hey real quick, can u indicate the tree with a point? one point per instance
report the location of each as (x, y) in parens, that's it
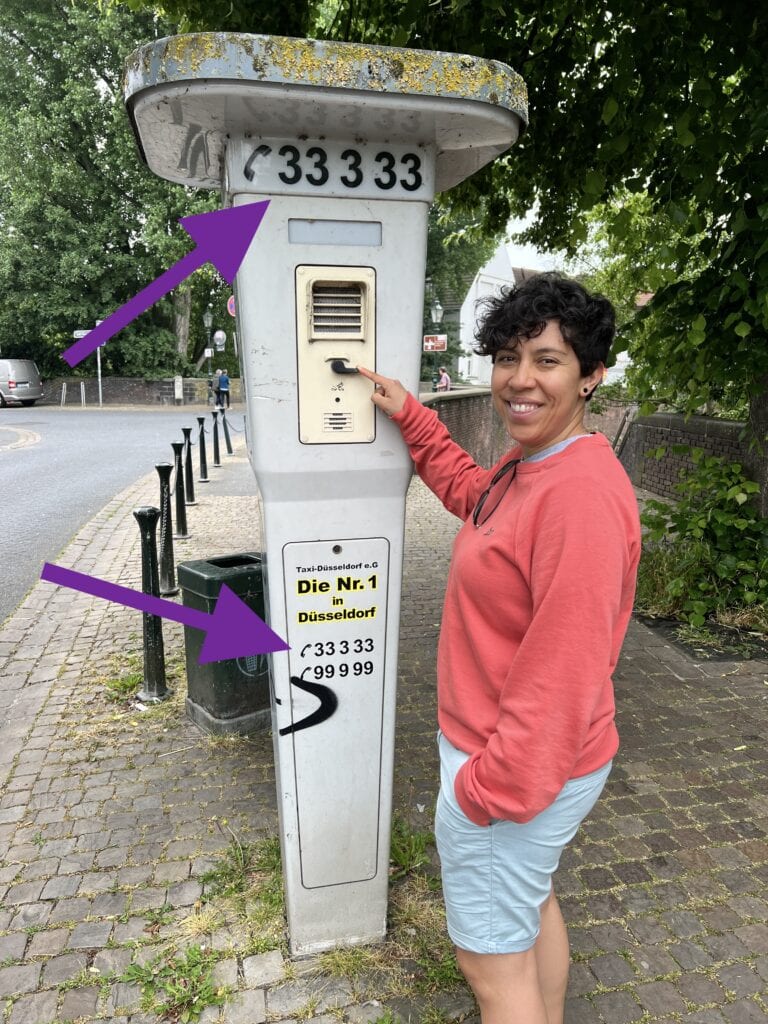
(83, 225)
(457, 248)
(670, 99)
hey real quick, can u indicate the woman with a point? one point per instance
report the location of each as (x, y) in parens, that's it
(539, 594)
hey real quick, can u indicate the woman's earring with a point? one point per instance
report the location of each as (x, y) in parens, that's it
(585, 391)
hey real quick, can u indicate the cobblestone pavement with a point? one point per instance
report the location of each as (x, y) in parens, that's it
(110, 816)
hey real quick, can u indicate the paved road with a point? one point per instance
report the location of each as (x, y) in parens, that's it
(58, 467)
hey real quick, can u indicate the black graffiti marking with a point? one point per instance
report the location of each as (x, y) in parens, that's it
(259, 151)
(194, 150)
(328, 704)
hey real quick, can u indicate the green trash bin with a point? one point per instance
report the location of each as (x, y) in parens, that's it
(225, 696)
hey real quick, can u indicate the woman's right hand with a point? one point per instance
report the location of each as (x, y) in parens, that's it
(388, 395)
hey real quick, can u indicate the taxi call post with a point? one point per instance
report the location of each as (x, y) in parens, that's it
(349, 144)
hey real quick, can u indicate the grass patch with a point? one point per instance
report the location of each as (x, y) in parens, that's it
(123, 688)
(419, 937)
(408, 849)
(158, 918)
(713, 640)
(231, 875)
(246, 888)
(180, 987)
(352, 962)
(117, 690)
(201, 922)
(244, 864)
(708, 640)
(125, 678)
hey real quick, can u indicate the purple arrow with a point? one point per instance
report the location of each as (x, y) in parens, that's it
(232, 630)
(223, 238)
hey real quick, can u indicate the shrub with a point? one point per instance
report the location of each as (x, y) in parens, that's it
(707, 553)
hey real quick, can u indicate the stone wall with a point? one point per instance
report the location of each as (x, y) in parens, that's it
(131, 391)
(715, 437)
(472, 422)
(469, 416)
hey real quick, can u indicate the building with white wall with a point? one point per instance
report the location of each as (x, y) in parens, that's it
(511, 263)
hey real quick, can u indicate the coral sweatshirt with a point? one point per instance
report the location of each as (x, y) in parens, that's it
(537, 603)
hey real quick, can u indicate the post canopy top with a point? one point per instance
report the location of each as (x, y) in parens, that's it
(220, 85)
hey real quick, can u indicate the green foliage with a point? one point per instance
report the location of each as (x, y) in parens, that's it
(287, 17)
(233, 872)
(84, 225)
(612, 391)
(245, 865)
(457, 248)
(708, 553)
(441, 971)
(408, 849)
(670, 101)
(121, 688)
(178, 988)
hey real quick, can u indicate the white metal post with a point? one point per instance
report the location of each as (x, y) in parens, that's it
(349, 143)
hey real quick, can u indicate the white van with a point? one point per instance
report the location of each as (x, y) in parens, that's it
(19, 382)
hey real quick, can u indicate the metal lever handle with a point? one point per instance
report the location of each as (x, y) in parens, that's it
(338, 366)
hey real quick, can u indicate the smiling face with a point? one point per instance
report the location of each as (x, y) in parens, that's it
(538, 389)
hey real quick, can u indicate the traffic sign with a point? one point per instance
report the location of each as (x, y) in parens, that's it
(435, 343)
(81, 334)
(231, 305)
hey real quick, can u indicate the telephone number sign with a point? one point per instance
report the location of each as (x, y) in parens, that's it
(336, 623)
(336, 168)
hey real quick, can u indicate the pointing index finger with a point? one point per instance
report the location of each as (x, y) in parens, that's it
(365, 372)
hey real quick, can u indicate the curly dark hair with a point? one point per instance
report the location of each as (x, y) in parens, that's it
(587, 322)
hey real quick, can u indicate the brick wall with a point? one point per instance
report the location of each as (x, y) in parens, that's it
(716, 437)
(608, 420)
(474, 425)
(472, 422)
(131, 391)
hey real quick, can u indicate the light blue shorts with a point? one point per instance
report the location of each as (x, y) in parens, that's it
(497, 877)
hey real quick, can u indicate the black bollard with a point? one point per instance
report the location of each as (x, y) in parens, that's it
(189, 483)
(153, 688)
(167, 568)
(181, 511)
(216, 455)
(227, 438)
(201, 445)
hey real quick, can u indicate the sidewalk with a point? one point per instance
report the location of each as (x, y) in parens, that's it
(110, 816)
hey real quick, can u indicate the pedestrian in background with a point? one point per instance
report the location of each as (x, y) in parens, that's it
(223, 388)
(444, 381)
(539, 594)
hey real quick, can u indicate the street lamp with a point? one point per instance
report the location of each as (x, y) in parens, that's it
(436, 313)
(208, 324)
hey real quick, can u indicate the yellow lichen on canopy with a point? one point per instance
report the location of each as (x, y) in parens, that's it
(330, 64)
